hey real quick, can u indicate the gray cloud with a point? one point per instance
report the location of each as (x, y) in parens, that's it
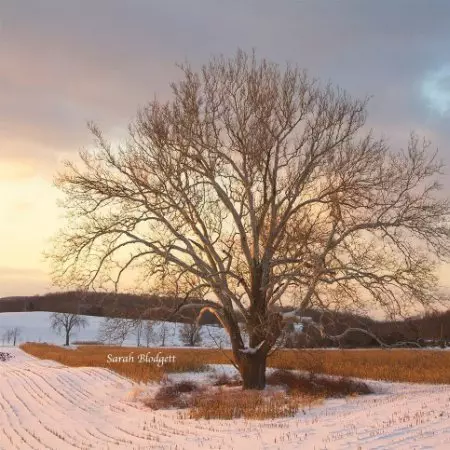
(63, 63)
(67, 62)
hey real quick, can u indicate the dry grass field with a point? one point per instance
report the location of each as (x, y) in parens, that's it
(97, 356)
(401, 365)
(418, 366)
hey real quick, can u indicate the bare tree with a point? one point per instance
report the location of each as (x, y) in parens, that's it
(10, 335)
(66, 324)
(190, 334)
(162, 331)
(115, 330)
(142, 328)
(256, 184)
(148, 332)
(138, 332)
(15, 334)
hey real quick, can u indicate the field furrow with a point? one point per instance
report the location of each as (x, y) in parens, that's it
(45, 405)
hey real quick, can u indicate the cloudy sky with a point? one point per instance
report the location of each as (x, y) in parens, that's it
(64, 62)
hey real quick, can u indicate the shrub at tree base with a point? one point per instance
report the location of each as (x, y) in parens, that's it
(312, 384)
(228, 403)
(171, 396)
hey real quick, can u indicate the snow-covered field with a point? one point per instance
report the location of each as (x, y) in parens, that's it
(35, 327)
(44, 405)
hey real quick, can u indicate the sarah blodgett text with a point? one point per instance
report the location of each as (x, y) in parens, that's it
(147, 358)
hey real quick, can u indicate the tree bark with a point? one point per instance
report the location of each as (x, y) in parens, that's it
(67, 339)
(253, 370)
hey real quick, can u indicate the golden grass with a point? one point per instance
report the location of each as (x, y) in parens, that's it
(199, 402)
(406, 365)
(225, 400)
(97, 356)
(229, 404)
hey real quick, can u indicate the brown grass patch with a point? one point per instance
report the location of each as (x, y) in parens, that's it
(401, 365)
(97, 356)
(229, 404)
(172, 395)
(405, 365)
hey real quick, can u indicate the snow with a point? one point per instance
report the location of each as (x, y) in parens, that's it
(292, 315)
(252, 350)
(35, 327)
(289, 315)
(44, 405)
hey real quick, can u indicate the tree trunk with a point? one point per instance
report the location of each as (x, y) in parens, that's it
(67, 339)
(253, 370)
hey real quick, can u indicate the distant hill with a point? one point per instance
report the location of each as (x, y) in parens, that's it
(431, 327)
(107, 304)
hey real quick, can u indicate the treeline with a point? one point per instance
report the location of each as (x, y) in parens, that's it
(430, 330)
(109, 304)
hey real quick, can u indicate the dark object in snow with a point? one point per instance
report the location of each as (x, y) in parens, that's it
(5, 356)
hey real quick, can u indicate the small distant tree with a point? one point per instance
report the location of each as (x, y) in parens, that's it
(163, 330)
(114, 330)
(15, 334)
(148, 330)
(190, 334)
(5, 337)
(11, 335)
(138, 331)
(66, 323)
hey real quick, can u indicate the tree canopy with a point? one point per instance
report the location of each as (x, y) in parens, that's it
(257, 186)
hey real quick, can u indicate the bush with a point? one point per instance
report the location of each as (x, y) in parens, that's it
(317, 385)
(171, 396)
(5, 356)
(229, 403)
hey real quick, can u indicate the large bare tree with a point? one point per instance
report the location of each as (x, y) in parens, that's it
(256, 185)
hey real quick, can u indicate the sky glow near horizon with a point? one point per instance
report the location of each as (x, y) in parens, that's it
(63, 64)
